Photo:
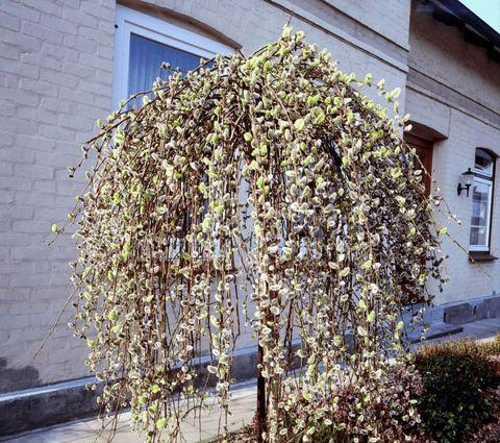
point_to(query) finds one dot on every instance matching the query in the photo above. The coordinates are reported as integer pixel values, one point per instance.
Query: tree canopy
(268, 182)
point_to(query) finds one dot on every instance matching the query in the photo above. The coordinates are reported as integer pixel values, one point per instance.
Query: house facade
(66, 63)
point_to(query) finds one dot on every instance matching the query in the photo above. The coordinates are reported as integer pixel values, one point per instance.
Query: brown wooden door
(424, 152)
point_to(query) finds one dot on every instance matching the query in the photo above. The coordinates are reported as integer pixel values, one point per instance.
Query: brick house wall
(454, 88)
(56, 80)
(56, 63)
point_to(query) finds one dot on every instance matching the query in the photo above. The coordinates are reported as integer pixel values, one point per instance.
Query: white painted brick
(90, 111)
(46, 213)
(56, 132)
(64, 202)
(105, 52)
(19, 125)
(6, 139)
(18, 212)
(25, 42)
(20, 96)
(31, 227)
(102, 102)
(10, 51)
(104, 36)
(100, 13)
(6, 169)
(9, 21)
(58, 159)
(12, 67)
(36, 114)
(79, 70)
(27, 71)
(69, 187)
(20, 10)
(15, 183)
(80, 18)
(58, 24)
(43, 33)
(81, 44)
(4, 254)
(35, 199)
(95, 61)
(36, 143)
(44, 186)
(58, 52)
(14, 239)
(58, 78)
(75, 121)
(40, 87)
(46, 6)
(7, 108)
(76, 96)
(56, 105)
(17, 155)
(93, 87)
(34, 171)
(9, 80)
(44, 116)
(74, 4)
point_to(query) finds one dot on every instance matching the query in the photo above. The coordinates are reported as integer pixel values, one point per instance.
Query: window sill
(479, 257)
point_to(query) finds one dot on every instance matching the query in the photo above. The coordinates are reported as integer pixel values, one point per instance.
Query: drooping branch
(272, 178)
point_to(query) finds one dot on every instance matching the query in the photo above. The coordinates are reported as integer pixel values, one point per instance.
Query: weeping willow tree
(270, 182)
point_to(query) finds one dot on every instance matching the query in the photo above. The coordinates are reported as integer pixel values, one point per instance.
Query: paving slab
(477, 330)
(243, 400)
(242, 404)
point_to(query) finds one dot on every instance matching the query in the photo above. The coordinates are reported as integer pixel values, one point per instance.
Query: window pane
(484, 162)
(478, 236)
(480, 213)
(146, 57)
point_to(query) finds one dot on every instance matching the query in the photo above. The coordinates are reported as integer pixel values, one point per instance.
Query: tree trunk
(260, 414)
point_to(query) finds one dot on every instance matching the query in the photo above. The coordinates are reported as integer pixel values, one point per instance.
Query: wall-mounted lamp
(465, 182)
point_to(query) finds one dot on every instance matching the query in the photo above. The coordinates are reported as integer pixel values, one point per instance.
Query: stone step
(436, 330)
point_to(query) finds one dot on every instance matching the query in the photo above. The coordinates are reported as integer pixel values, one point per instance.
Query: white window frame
(130, 21)
(482, 172)
(489, 183)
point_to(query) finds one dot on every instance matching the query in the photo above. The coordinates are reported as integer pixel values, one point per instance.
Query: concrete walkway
(476, 330)
(243, 407)
(85, 431)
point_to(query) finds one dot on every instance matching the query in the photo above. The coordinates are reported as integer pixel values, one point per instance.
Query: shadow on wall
(14, 379)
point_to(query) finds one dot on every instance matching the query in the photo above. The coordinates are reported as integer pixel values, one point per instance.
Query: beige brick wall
(460, 98)
(441, 52)
(56, 80)
(392, 22)
(452, 157)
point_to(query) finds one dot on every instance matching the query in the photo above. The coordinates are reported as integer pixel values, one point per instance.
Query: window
(143, 42)
(482, 199)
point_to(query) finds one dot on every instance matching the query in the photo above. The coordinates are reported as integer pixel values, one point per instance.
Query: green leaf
(443, 231)
(119, 137)
(161, 423)
(261, 182)
(313, 100)
(299, 124)
(113, 315)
